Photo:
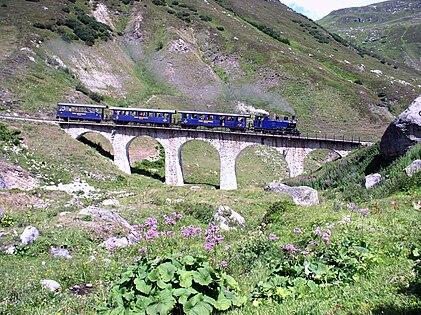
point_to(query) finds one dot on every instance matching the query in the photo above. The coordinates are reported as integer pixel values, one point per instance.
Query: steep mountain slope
(224, 55)
(388, 29)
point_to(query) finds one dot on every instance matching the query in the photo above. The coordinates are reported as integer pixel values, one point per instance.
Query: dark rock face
(403, 132)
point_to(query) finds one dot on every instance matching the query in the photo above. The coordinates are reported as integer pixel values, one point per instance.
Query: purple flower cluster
(172, 220)
(363, 212)
(324, 235)
(291, 249)
(213, 236)
(297, 230)
(273, 237)
(191, 231)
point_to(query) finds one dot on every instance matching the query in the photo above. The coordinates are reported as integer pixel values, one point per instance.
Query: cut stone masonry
(228, 144)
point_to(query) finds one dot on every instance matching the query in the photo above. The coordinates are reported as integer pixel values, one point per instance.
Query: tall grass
(346, 177)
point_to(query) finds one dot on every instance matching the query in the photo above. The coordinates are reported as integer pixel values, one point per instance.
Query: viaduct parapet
(228, 144)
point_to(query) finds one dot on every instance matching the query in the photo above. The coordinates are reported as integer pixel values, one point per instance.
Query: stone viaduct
(228, 144)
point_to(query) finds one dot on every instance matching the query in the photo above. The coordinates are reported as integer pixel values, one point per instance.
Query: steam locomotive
(171, 118)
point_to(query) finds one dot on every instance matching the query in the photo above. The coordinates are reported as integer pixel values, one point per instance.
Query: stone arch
(146, 147)
(267, 162)
(317, 157)
(200, 162)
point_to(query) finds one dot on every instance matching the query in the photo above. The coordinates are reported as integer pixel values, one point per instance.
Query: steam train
(183, 119)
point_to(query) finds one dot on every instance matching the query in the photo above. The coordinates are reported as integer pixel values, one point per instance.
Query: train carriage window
(194, 116)
(241, 119)
(202, 117)
(229, 118)
(210, 117)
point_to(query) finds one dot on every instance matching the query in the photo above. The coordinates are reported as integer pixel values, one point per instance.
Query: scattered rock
(104, 214)
(302, 195)
(195, 188)
(3, 184)
(228, 218)
(115, 242)
(372, 180)
(75, 201)
(77, 188)
(2, 213)
(403, 132)
(410, 170)
(60, 253)
(13, 176)
(9, 249)
(29, 235)
(82, 289)
(111, 202)
(51, 285)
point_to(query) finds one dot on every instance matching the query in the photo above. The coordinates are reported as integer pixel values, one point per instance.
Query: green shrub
(159, 2)
(270, 31)
(205, 18)
(202, 211)
(39, 25)
(276, 209)
(8, 136)
(174, 284)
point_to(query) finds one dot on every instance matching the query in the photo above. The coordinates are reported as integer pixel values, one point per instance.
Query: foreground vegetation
(355, 253)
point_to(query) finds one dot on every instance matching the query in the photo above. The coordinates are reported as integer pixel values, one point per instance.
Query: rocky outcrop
(13, 176)
(228, 219)
(302, 195)
(413, 168)
(403, 132)
(372, 180)
(29, 235)
(104, 214)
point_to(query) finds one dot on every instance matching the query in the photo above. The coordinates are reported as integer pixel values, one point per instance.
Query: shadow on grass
(97, 147)
(147, 173)
(206, 184)
(395, 310)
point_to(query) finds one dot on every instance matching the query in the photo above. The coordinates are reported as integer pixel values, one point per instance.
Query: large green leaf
(236, 300)
(183, 294)
(153, 275)
(222, 303)
(189, 260)
(230, 281)
(198, 305)
(166, 271)
(186, 278)
(203, 276)
(163, 304)
(142, 286)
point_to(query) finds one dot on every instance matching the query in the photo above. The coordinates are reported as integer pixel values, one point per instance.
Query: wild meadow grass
(355, 253)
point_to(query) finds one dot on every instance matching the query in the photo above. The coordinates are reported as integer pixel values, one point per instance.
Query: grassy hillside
(388, 30)
(364, 263)
(214, 55)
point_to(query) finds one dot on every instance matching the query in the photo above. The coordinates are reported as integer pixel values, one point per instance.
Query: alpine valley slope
(224, 55)
(388, 29)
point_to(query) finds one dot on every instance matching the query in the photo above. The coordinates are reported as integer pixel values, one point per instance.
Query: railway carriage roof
(216, 114)
(144, 110)
(81, 105)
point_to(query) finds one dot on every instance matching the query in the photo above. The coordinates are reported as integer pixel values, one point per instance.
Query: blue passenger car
(278, 125)
(124, 115)
(69, 111)
(191, 119)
